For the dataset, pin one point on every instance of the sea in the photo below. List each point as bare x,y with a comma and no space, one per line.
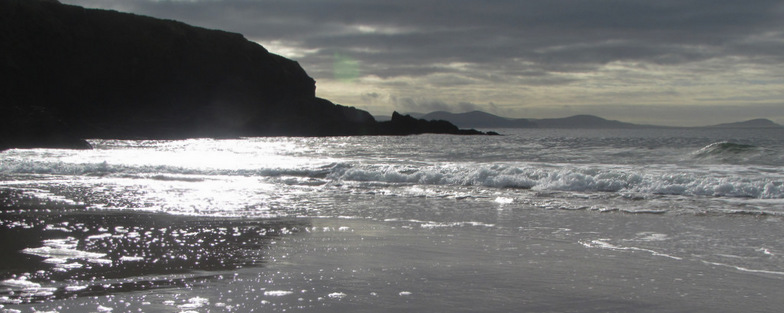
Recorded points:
534,220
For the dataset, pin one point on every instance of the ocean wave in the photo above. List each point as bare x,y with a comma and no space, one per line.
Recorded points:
723,148
157,172
727,152
577,179
710,181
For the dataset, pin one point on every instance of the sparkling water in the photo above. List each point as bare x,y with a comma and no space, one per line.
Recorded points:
645,220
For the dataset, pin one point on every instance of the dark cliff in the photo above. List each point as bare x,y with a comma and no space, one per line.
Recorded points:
69,72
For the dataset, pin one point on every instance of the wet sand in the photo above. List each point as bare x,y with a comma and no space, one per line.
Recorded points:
165,263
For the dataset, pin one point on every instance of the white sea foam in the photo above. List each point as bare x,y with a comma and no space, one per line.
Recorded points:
435,190
766,251
503,200
722,180
649,236
432,224
59,253
70,266
603,244
566,177
21,286
99,236
277,293
21,283
75,288
194,303
745,269
99,261
337,295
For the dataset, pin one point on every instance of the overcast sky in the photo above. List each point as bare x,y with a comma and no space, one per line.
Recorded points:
667,62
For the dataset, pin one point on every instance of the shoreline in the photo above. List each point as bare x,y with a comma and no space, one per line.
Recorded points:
397,265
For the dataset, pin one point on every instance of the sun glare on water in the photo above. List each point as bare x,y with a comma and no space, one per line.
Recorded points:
200,154
239,177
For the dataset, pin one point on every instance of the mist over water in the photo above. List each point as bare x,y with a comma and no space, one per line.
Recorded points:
531,220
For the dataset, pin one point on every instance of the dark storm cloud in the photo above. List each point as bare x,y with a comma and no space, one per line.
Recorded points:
492,42
407,105
550,35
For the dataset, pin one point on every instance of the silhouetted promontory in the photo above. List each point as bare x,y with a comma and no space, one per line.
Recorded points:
67,72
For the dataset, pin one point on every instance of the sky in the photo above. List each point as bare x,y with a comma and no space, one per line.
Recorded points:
663,62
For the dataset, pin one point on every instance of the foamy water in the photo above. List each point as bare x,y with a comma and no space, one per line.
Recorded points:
305,223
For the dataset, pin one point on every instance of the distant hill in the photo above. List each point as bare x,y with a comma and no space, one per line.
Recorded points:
755,123
584,121
479,119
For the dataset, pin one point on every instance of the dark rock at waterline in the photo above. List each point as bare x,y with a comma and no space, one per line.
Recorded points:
405,124
105,74
35,128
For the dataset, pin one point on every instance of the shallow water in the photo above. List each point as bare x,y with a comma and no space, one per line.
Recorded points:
538,220
332,265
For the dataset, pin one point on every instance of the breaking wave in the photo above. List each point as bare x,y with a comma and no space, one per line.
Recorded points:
724,148
570,178
713,181
158,172
726,152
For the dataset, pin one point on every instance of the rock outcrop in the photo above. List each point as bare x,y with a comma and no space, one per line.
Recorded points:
67,72
405,124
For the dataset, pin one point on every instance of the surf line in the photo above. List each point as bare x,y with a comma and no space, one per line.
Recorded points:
744,269
605,245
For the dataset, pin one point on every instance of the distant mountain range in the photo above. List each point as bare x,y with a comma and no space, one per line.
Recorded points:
479,119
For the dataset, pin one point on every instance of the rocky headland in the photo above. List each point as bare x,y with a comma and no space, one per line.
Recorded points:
68,73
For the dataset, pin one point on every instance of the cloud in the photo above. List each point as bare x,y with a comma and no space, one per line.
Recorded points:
421,105
426,105
467,51
545,32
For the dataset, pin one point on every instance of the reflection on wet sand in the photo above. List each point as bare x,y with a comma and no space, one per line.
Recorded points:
61,253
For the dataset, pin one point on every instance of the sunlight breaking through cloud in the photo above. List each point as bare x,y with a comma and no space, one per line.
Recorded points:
526,57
